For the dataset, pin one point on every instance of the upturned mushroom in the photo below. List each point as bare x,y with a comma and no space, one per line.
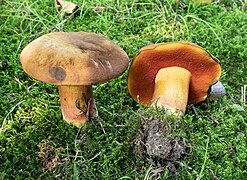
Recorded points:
172,75
74,61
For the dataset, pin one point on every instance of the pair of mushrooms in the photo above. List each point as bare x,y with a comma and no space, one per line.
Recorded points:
169,75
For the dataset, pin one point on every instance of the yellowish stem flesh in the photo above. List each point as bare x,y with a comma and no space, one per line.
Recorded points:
172,89
77,104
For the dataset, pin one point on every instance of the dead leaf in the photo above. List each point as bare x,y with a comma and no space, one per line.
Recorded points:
100,9
66,6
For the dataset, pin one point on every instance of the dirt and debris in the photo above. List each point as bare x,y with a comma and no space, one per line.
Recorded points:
66,6
100,9
49,155
156,144
4,64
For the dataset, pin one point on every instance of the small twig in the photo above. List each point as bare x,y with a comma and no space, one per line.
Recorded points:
76,154
102,128
94,157
104,109
194,110
243,94
13,100
118,143
213,174
19,82
210,118
120,125
9,114
186,166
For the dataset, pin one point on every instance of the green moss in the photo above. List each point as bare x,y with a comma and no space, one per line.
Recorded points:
30,110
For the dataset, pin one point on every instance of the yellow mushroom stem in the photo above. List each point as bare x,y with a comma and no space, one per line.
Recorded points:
77,103
172,89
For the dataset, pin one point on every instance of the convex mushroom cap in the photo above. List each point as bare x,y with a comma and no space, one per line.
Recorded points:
74,60
157,69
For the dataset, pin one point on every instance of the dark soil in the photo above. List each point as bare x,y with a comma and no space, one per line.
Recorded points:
154,143
4,64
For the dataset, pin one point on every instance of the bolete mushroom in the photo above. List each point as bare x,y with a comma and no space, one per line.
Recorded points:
172,75
74,61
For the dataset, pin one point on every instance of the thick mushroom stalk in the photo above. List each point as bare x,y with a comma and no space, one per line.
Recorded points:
77,104
172,89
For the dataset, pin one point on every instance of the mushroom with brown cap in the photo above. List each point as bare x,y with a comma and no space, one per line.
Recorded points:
74,61
172,75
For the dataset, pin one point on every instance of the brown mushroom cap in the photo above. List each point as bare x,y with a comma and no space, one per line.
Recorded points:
204,68
73,58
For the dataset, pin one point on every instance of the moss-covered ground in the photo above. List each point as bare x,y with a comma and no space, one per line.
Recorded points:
35,141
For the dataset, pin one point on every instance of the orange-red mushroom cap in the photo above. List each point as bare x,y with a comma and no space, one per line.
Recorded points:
204,68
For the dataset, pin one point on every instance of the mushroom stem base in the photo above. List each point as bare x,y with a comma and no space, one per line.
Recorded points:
172,89
77,104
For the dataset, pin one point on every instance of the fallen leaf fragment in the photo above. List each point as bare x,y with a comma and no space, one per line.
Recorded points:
66,6
100,9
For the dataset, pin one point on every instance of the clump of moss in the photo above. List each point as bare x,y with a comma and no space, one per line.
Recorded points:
49,155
